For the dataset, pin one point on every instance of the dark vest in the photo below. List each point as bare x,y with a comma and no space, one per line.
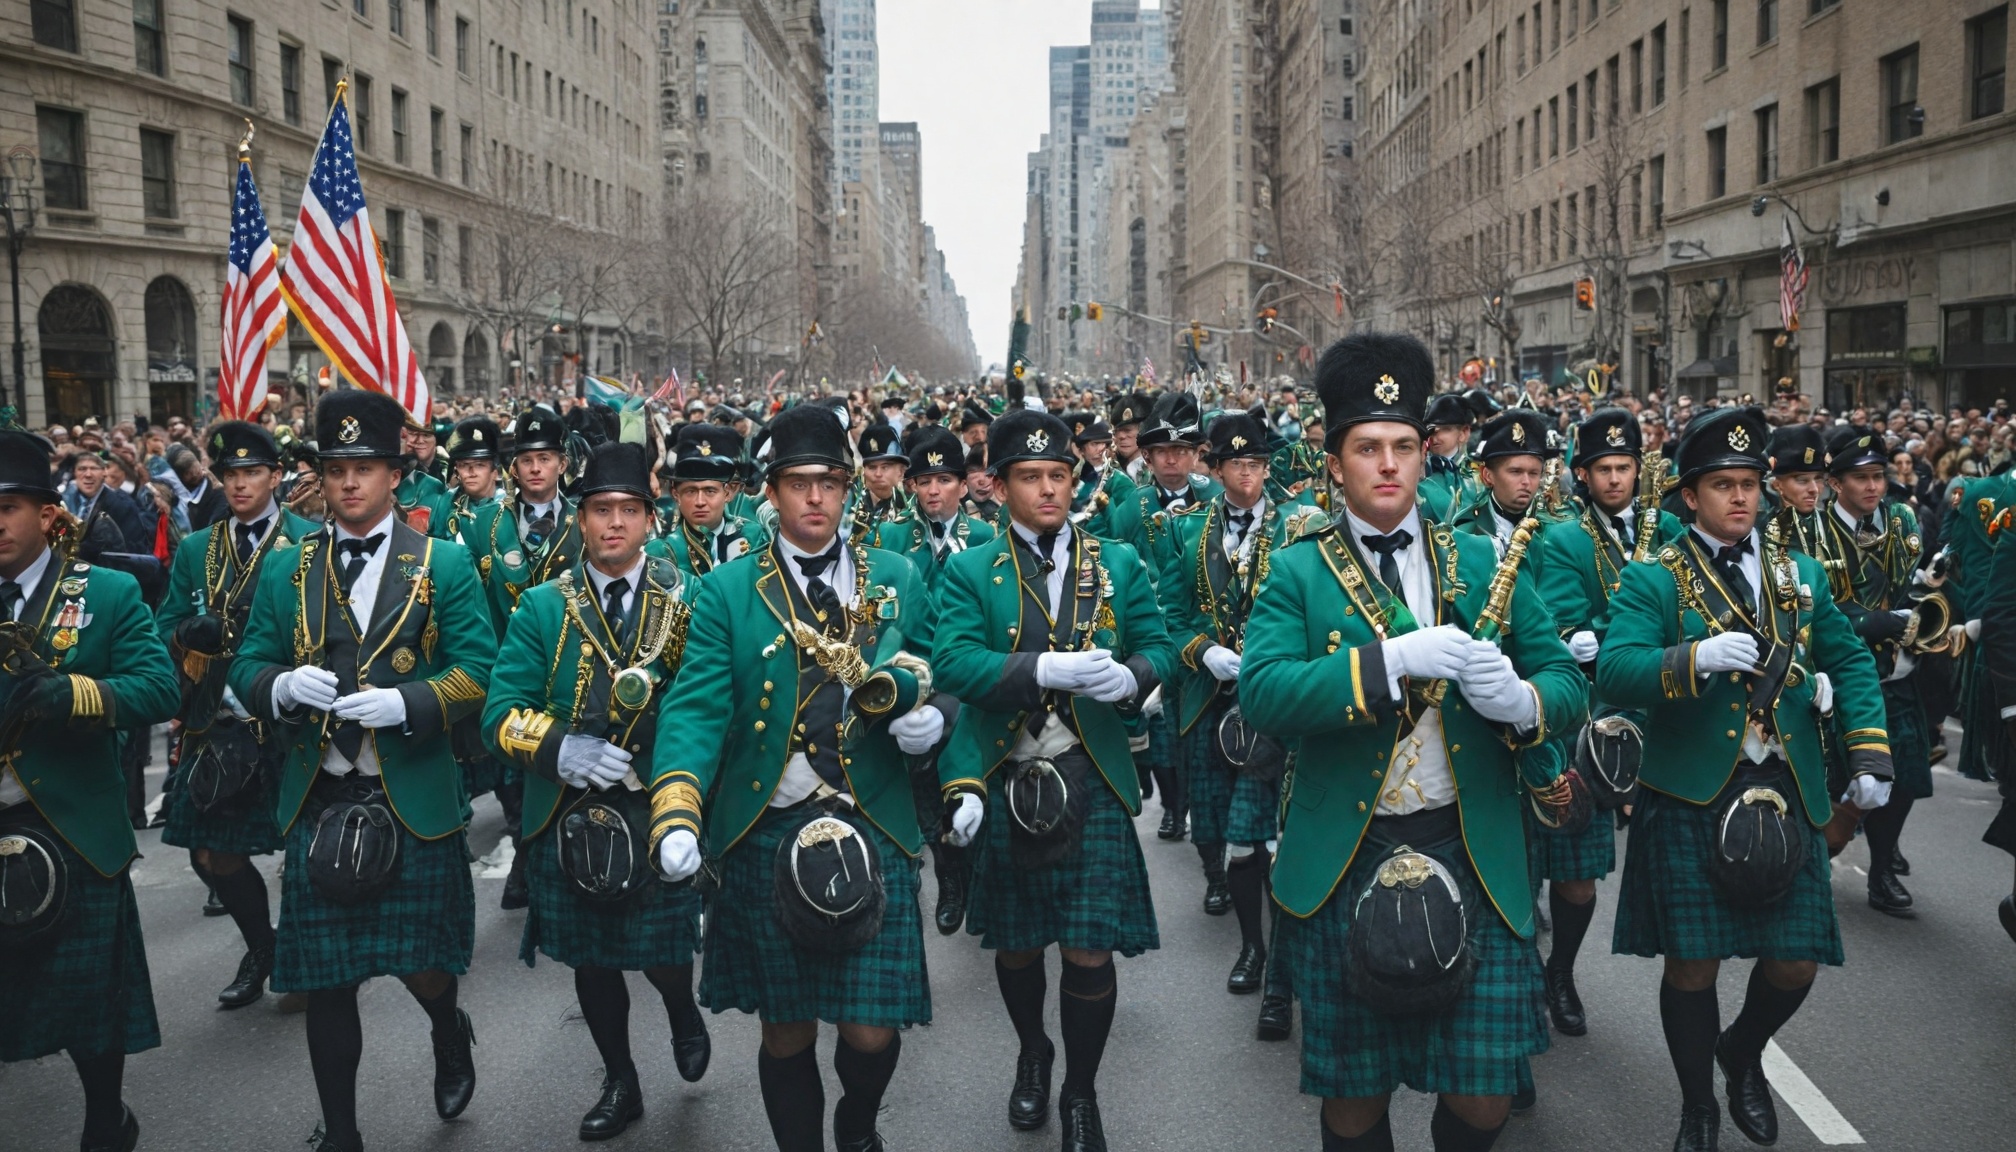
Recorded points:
1036,632
821,701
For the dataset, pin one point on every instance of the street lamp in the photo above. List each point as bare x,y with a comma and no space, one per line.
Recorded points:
18,182
1759,203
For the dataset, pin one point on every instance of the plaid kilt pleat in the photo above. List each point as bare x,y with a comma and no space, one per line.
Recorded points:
750,965
657,927
1668,907
1226,806
1590,854
1983,741
426,921
250,829
1910,742
77,994
1474,1049
1097,898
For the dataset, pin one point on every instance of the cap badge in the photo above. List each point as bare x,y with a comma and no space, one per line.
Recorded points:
1615,437
1518,433
706,449
242,452
217,442
476,434
1739,438
1038,440
1386,390
1238,442
1863,442
1126,415
349,430
1809,455
934,459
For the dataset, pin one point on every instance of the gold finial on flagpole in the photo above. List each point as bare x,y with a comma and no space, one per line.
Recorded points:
245,143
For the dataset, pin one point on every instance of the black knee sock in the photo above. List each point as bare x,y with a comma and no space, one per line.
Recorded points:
335,1046
244,896
604,995
864,1076
1245,877
1452,1133
1279,982
794,1098
1171,787
1085,998
1571,924
1766,1008
1692,1021
441,1009
1883,827
1378,1138
104,1111
1022,990
675,986
1213,858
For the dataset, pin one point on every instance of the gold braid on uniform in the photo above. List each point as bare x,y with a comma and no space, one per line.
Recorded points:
90,702
675,803
521,734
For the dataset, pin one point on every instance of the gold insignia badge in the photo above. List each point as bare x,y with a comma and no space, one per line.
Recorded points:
1615,437
1126,415
1809,455
349,430
1238,442
1386,390
241,452
71,586
1078,428
402,661
1518,433
1739,438
476,434
934,459
1038,440
64,639
706,449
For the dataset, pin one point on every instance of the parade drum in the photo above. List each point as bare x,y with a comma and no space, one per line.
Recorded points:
829,886
34,889
1248,752
223,776
1607,757
1046,804
353,857
1759,848
1408,949
603,856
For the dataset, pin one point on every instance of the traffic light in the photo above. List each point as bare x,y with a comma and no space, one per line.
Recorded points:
1266,318
1585,293
1094,311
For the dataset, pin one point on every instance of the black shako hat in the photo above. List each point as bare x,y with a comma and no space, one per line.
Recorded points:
1519,432
936,449
808,434
973,412
617,467
1607,432
1724,438
1448,410
705,452
24,466
539,428
1025,434
1797,448
1173,420
879,442
1087,427
242,444
477,438
1236,435
356,424
1850,448
1128,408
1373,376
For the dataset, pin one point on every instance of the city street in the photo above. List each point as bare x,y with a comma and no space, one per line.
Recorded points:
1905,1048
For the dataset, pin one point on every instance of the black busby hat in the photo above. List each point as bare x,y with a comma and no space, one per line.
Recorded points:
936,449
24,466
1850,448
1480,403
1607,432
1174,419
1520,432
477,438
617,467
879,442
1234,435
1797,448
357,424
894,401
1087,427
1129,408
1025,434
808,434
1723,438
539,428
1373,376
242,444
1448,410
705,452
974,412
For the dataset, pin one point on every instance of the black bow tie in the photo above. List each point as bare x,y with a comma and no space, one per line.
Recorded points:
822,595
1733,553
357,553
1622,526
938,529
249,536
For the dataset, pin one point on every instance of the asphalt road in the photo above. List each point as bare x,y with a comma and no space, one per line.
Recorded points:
1907,1047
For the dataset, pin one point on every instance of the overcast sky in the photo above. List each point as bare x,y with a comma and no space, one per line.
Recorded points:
975,76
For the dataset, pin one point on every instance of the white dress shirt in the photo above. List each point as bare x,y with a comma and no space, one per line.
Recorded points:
950,542
1418,775
1055,739
529,513
1757,747
1237,549
800,778
602,580
363,598
1628,538
1060,557
11,791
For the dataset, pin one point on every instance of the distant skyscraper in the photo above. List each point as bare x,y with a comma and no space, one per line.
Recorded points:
853,87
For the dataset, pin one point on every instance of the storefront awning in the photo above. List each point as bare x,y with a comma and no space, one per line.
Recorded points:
1705,368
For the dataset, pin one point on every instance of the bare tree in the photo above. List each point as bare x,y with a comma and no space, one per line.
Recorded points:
729,275
1613,163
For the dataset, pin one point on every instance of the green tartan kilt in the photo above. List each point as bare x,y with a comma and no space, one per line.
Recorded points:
68,996
426,921
1475,1048
1163,743
1097,898
1590,854
1668,906
252,831
1226,806
1910,743
752,966
1983,740
658,927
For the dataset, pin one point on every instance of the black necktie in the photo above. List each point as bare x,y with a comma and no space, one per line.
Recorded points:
1046,547
1868,525
248,539
357,553
1243,522
819,592
1623,527
1389,567
11,595
937,529
721,541
540,527
1729,558
612,604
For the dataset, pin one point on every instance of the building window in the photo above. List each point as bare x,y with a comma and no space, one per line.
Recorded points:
1987,62
1815,7
430,249
1554,231
157,174
1574,115
55,23
393,243
465,254
360,109
1767,21
430,18
1589,104
1610,76
400,151
1686,29
437,142
1767,144
468,156
239,33
395,17
1574,232
332,74
462,46
147,52
1902,118
1637,77
1659,65
1718,163
1823,123
361,7
290,83
1655,179
61,133
1553,127
1519,147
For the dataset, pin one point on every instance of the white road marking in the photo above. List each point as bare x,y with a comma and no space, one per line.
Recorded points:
1806,1099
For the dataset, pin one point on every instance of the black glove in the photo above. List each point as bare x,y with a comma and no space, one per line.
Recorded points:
204,634
1877,627
43,694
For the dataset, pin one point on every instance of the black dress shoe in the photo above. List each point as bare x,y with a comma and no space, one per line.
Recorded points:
1029,1102
951,910
1277,1017
321,1141
1887,894
692,1048
1082,1130
250,985
2005,911
1898,865
1524,1099
127,1139
621,1105
215,907
1564,1004
1750,1102
1700,1129
454,1068
1172,826
516,895
869,1143
1248,971
1217,894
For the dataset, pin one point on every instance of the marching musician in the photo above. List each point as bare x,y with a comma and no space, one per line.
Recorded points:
367,642
1972,547
574,707
705,534
73,972
223,809
1449,485
980,502
880,497
1798,479
1124,414
422,496
548,542
1733,646
1512,461
1998,684
1102,484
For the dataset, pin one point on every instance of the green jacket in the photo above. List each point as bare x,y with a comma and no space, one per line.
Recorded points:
911,539
1142,523
511,565
688,550
206,573
1096,513
91,622
1445,493
1314,670
980,593
540,691
481,529
1480,516
1694,735
417,491
429,616
1577,566
1871,580
1300,462
732,709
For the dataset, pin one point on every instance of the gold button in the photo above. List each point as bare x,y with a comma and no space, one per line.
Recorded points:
768,686
755,785
1731,733
759,725
1376,774
1361,805
845,762
811,749
997,579
635,748
997,744
1011,630
764,704
1735,677
1350,611
1453,748
1393,796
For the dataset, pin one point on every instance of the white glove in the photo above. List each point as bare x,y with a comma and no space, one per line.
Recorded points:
1823,693
373,708
1583,646
1726,652
966,821
1435,653
1221,662
1070,671
918,730
237,709
1152,707
1868,792
305,687
1494,689
1112,684
591,762
678,853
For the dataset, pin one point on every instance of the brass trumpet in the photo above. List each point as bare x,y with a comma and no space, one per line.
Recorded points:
1929,631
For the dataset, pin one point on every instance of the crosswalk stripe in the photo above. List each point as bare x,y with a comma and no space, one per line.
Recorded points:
1806,1099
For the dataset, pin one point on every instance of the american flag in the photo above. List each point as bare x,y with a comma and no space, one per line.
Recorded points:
1792,273
335,277
670,389
1148,372
254,316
